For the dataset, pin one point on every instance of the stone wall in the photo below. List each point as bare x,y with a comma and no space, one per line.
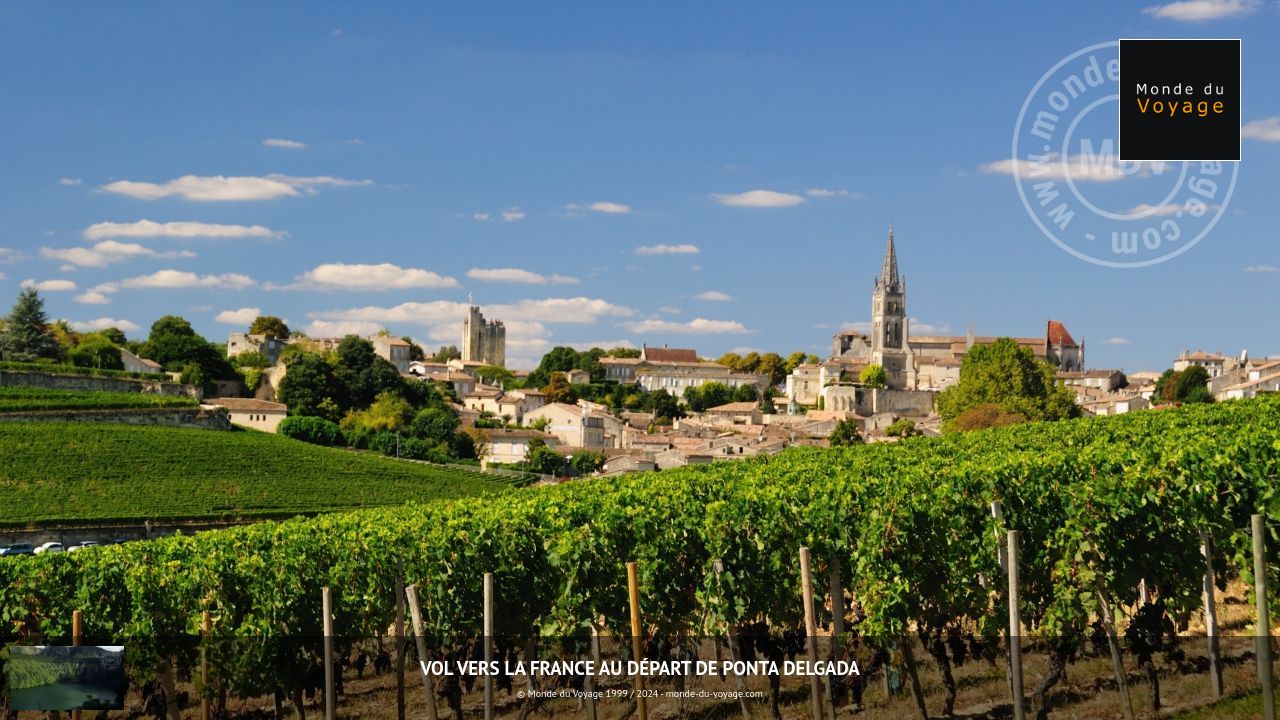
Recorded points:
103,533
89,383
204,417
902,402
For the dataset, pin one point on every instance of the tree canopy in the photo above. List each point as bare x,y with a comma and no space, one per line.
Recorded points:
27,335
269,325
1010,377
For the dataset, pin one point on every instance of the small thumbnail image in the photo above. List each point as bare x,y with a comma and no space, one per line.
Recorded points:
63,677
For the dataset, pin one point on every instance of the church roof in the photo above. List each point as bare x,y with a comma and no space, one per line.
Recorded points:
1058,334
665,354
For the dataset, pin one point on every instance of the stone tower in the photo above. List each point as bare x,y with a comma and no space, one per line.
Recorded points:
483,340
889,347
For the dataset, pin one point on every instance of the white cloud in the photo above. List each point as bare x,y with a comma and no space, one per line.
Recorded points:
697,326
1080,168
758,199
243,316
341,328
179,279
107,252
668,309
1116,341
283,143
610,207
103,323
1262,269
825,193
603,344
219,188
9,255
354,141
516,275
575,310
92,297
384,276
150,228
49,285
2,276
1162,210
1197,10
481,216
713,296
70,181
667,250
512,214
1267,129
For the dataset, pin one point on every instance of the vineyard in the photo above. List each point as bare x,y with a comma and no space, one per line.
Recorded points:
1102,506
26,399
76,370
74,473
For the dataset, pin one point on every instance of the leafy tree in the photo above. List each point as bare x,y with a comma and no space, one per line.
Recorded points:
730,360
558,390
115,335
388,413
986,415
542,459
415,350
795,360
269,325
310,387
1192,385
560,359
315,430
251,359
873,376
95,350
586,462
65,335
845,433
445,354
623,352
434,423
664,405
27,336
175,345
902,427
494,375
766,402
774,366
812,360
363,373
1009,376
709,395
745,393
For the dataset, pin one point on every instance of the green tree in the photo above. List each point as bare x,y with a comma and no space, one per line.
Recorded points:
115,335
445,354
902,427
175,345
434,423
586,462
311,388
709,395
559,359
493,375
364,374
251,359
388,413
416,353
27,335
1192,386
795,360
1010,377
845,433
663,405
558,390
873,376
95,350
745,393
774,366
542,459
269,325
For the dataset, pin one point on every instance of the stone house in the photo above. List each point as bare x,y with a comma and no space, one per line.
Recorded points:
247,412
510,447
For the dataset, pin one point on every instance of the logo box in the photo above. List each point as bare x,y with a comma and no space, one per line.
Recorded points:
1179,100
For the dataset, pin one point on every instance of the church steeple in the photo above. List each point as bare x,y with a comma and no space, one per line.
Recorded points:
889,279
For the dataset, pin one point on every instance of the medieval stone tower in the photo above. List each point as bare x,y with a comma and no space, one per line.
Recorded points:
889,347
483,340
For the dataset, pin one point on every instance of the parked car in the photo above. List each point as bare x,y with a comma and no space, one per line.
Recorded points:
82,545
50,547
18,549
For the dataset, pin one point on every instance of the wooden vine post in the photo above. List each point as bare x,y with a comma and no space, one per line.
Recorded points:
1263,630
835,594
206,629
1015,628
637,640
488,645
77,634
811,633
330,700
415,614
1211,616
1113,643
400,650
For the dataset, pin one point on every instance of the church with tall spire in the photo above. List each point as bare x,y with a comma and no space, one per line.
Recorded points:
889,347
910,362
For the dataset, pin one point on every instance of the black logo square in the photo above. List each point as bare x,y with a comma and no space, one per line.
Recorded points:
1179,100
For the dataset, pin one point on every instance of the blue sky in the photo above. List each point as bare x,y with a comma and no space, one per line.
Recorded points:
587,172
